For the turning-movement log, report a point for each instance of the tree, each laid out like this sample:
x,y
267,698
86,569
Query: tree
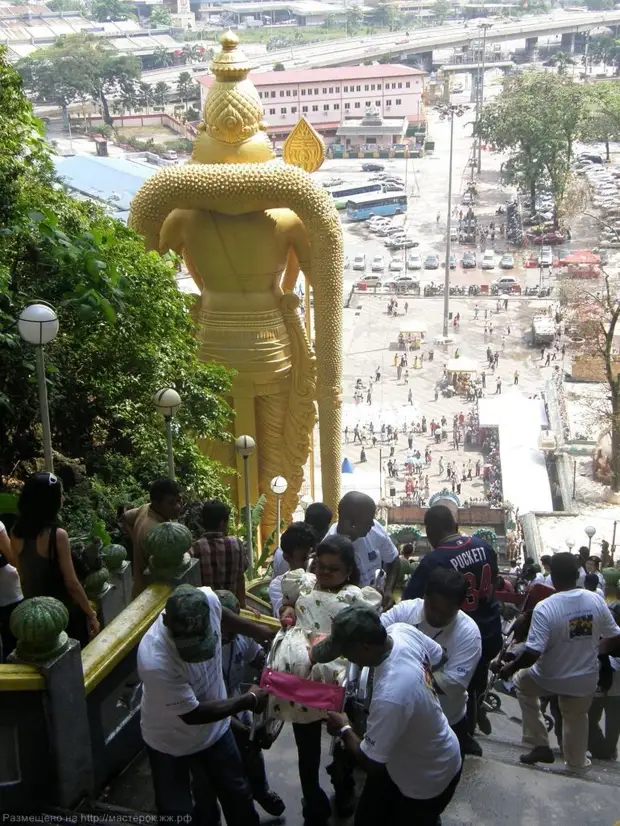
x,y
160,94
599,5
186,87
66,5
604,121
537,118
355,17
160,16
125,330
385,15
595,319
441,10
561,60
278,67
75,66
145,95
330,21
111,10
162,58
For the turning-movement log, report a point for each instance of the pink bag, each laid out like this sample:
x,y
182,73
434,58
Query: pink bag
x,y
304,692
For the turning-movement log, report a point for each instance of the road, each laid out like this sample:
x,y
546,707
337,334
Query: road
x,y
354,50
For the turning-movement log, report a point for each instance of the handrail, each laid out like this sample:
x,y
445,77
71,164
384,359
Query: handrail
x,y
111,645
122,635
20,677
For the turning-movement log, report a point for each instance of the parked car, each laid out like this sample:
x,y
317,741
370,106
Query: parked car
x,y
431,262
414,261
505,283
396,265
359,262
457,88
373,166
378,264
372,280
507,261
452,261
401,242
468,261
389,229
170,155
488,260
391,186
333,182
467,199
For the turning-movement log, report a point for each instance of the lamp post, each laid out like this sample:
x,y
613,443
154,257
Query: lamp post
x,y
245,447
167,402
589,531
570,544
448,111
38,325
278,486
485,27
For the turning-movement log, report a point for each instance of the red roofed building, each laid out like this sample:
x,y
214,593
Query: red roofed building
x,y
329,97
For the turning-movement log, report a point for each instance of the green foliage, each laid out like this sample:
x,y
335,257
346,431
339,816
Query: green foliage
x,y
441,10
539,138
125,331
278,67
187,88
111,10
160,16
77,68
488,534
404,533
162,57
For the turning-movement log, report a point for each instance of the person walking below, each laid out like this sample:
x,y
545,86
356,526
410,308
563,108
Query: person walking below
x,y
516,377
561,658
498,386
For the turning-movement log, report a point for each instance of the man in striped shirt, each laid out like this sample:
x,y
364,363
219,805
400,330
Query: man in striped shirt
x,y
223,559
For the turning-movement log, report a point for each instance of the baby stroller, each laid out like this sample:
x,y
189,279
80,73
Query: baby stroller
x,y
524,604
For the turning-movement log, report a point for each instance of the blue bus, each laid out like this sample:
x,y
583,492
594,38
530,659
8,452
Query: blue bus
x,y
362,207
342,193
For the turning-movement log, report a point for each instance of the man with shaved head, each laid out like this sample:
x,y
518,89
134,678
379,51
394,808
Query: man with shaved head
x,y
373,547
476,560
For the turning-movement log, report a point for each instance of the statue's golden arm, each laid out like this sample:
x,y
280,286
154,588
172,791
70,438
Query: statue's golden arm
x,y
236,189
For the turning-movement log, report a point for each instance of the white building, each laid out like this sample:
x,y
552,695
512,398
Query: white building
x,y
329,97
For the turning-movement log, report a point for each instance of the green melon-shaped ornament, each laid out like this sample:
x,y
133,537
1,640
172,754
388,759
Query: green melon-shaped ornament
x,y
114,556
38,624
167,546
611,576
95,583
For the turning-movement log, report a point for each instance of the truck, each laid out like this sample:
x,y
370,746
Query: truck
x,y
543,330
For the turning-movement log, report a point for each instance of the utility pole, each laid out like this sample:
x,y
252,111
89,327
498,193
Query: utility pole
x,y
448,111
480,96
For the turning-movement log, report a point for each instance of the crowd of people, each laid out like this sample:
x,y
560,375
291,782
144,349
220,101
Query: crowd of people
x,y
332,590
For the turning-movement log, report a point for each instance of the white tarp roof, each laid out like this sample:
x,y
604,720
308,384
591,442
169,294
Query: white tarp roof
x,y
461,365
525,481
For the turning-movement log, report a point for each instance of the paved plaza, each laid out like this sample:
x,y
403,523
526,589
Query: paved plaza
x,y
370,342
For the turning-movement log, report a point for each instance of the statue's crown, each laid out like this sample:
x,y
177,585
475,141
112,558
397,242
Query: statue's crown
x,y
233,111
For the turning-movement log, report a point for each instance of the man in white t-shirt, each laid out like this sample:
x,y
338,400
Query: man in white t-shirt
x,y
438,616
373,547
185,713
561,658
410,754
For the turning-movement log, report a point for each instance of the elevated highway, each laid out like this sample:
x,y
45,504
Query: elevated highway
x,y
402,45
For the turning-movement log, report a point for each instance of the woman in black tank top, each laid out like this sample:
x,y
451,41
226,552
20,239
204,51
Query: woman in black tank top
x,y
43,556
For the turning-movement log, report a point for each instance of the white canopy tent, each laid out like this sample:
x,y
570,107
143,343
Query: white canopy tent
x,y
461,365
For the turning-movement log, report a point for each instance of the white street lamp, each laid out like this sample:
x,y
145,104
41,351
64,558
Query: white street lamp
x,y
167,402
278,486
590,530
570,544
245,447
38,325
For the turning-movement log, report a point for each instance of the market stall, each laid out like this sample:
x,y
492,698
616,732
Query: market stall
x,y
461,372
580,264
412,334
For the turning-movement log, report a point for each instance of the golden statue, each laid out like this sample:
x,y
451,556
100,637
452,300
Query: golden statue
x,y
246,224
